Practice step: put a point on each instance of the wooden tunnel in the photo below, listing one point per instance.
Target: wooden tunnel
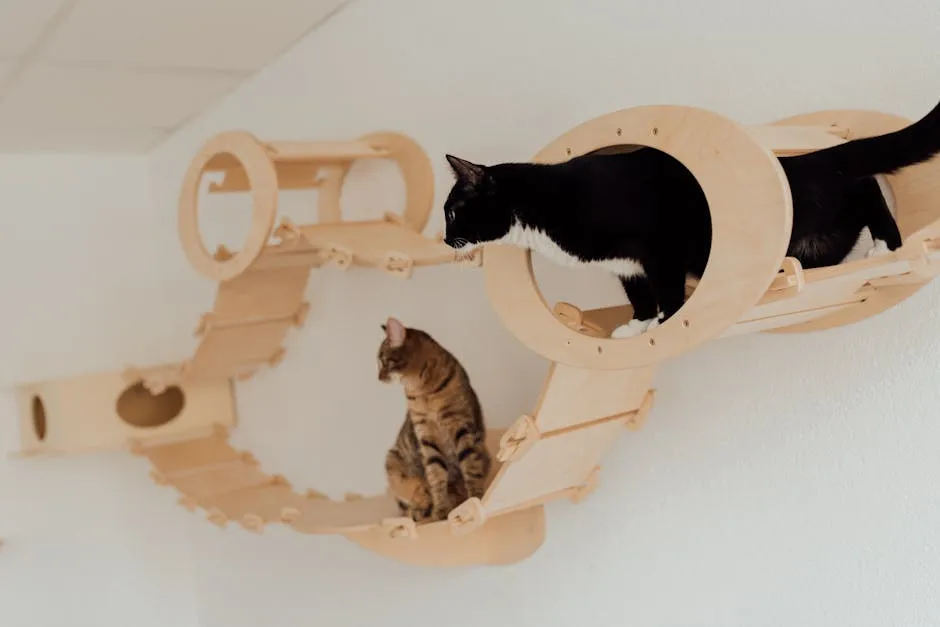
(748, 285)
(596, 386)
(393, 243)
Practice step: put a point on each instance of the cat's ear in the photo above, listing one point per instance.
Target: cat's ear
(395, 332)
(468, 172)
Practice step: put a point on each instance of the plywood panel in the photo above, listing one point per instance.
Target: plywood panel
(553, 464)
(104, 411)
(229, 351)
(575, 395)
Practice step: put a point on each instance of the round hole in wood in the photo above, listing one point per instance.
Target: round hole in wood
(686, 324)
(746, 193)
(600, 349)
(607, 149)
(655, 131)
(652, 342)
(568, 151)
(248, 162)
(139, 408)
(619, 132)
(39, 418)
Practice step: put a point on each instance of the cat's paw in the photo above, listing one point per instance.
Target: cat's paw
(439, 513)
(634, 327)
(420, 514)
(880, 248)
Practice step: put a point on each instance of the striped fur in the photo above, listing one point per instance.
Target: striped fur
(439, 458)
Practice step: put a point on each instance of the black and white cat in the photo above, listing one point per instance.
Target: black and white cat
(643, 216)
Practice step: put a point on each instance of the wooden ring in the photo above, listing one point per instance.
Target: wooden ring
(751, 213)
(916, 193)
(234, 149)
(416, 171)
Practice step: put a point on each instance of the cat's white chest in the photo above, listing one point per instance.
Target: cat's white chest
(540, 242)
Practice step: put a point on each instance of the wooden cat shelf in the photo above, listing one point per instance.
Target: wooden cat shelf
(748, 284)
(393, 243)
(178, 415)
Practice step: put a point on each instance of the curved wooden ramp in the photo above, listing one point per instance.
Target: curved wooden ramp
(230, 486)
(556, 452)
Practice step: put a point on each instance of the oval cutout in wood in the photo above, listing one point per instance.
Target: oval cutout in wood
(139, 408)
(39, 418)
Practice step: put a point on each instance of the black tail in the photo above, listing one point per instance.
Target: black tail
(882, 154)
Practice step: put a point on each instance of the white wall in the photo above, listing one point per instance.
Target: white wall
(780, 481)
(89, 541)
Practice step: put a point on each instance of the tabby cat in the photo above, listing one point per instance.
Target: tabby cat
(439, 458)
(643, 216)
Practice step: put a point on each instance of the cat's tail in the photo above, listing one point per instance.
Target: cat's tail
(882, 154)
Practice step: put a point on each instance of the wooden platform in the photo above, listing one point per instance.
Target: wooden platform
(797, 299)
(379, 244)
(229, 486)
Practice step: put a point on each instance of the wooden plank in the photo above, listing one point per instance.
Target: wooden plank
(795, 140)
(231, 351)
(783, 320)
(189, 455)
(323, 151)
(260, 294)
(551, 466)
(574, 395)
(371, 242)
(502, 540)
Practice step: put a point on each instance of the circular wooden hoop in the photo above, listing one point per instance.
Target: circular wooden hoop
(416, 171)
(917, 203)
(751, 212)
(252, 157)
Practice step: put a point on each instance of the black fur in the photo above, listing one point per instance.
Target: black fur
(645, 205)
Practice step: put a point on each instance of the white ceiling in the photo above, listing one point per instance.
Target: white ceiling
(121, 75)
